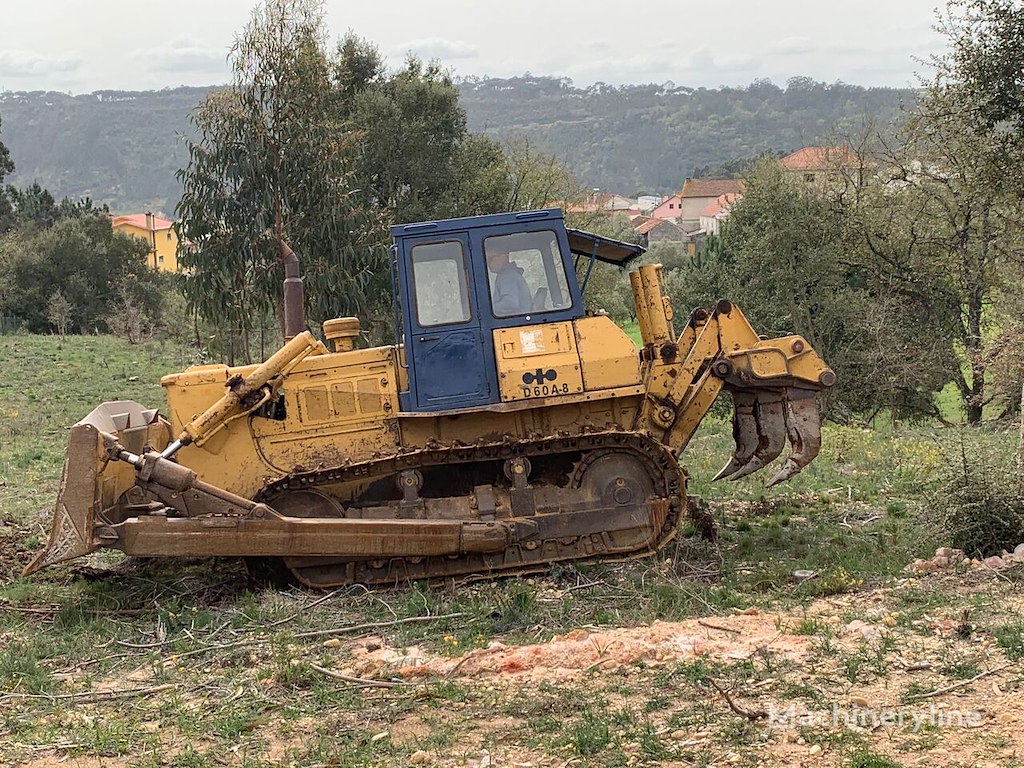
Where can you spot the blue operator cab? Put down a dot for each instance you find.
(458, 280)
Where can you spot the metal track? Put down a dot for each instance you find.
(582, 537)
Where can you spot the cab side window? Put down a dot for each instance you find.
(440, 285)
(526, 273)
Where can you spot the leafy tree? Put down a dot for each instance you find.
(415, 156)
(790, 261)
(940, 222)
(83, 260)
(481, 180)
(985, 61)
(59, 311)
(538, 179)
(935, 230)
(272, 160)
(33, 206)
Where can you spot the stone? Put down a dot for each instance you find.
(946, 552)
(419, 757)
(995, 562)
(941, 562)
(1018, 551)
(815, 749)
(378, 737)
(858, 627)
(924, 566)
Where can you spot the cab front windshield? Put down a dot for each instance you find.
(526, 274)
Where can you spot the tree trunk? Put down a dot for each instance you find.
(975, 268)
(1020, 446)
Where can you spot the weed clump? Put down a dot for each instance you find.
(981, 504)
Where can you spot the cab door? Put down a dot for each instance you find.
(451, 361)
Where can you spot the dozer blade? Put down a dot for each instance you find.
(803, 427)
(770, 425)
(744, 433)
(91, 481)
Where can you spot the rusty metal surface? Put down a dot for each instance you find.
(158, 536)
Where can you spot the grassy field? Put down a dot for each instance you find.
(117, 662)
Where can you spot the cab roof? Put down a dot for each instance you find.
(581, 243)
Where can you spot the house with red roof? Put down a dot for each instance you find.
(712, 215)
(821, 165)
(670, 209)
(157, 232)
(697, 194)
(661, 230)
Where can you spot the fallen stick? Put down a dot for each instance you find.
(360, 682)
(955, 686)
(709, 625)
(377, 625)
(751, 714)
(87, 695)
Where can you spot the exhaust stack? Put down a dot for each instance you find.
(294, 297)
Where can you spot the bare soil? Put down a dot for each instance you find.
(713, 691)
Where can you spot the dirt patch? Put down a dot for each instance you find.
(14, 555)
(729, 638)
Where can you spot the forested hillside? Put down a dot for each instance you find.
(117, 147)
(648, 138)
(123, 148)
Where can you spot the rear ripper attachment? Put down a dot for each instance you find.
(773, 382)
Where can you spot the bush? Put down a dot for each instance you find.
(981, 504)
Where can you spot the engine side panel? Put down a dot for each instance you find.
(337, 408)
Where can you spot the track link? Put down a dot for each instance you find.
(588, 542)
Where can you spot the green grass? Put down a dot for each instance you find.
(632, 328)
(47, 384)
(241, 674)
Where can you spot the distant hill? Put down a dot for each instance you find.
(117, 147)
(123, 148)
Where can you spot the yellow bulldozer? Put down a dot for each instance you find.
(507, 431)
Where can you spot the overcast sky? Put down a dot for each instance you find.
(80, 47)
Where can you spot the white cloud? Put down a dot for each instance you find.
(847, 48)
(790, 46)
(436, 48)
(30, 64)
(183, 55)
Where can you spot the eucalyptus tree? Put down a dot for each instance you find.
(272, 162)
